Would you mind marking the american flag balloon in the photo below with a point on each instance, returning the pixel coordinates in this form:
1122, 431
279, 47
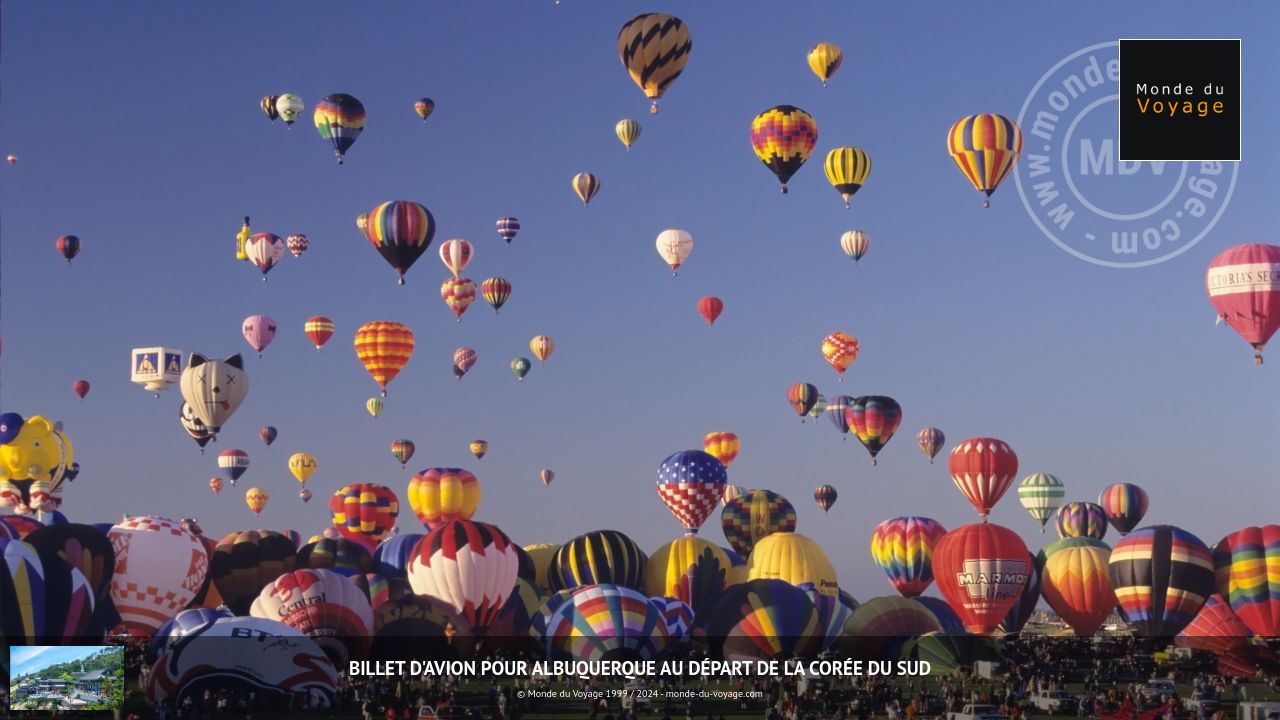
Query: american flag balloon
690, 483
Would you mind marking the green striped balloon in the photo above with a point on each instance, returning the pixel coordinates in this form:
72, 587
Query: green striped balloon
1041, 494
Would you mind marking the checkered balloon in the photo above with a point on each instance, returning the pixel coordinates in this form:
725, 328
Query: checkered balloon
690, 483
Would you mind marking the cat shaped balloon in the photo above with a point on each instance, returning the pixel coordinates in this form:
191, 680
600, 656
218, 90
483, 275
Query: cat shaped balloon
214, 388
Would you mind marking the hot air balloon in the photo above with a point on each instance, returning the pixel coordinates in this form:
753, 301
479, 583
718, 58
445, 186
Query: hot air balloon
374, 406
690, 569
297, 244
542, 346
881, 627
402, 450
847, 170
690, 483
628, 131
819, 407
458, 294
215, 484
233, 464
456, 255
837, 412
802, 397
985, 148
1125, 505
521, 366
264, 250
333, 552
183, 624
304, 494
1076, 582
159, 566
12, 159
364, 513
495, 291
1041, 494
289, 106
930, 440
478, 448
463, 359
825, 496
80, 388
903, 547
874, 418
794, 558
1023, 608
1247, 569
472, 566
754, 515
981, 570
1244, 286
585, 185
424, 107
783, 138
258, 331
339, 119
710, 307
855, 244
1162, 575
319, 329
362, 221
384, 348
722, 445
824, 60
545, 476
267, 434
268, 106
440, 495
654, 48
68, 247
507, 228
46, 598
840, 350
302, 466
674, 246
214, 389
256, 499
763, 620
598, 557
1082, 519
400, 230
325, 606
84, 549
194, 426
983, 469
1216, 629
607, 621
243, 563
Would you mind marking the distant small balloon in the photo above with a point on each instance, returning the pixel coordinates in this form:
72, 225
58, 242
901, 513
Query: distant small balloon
13, 159
424, 107
546, 476
80, 388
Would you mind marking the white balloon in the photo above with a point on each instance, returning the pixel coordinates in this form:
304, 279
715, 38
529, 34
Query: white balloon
674, 246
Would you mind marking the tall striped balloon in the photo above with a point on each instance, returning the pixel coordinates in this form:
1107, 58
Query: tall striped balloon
1041, 494
902, 547
985, 148
401, 231
1247, 566
1162, 576
1125, 505
495, 291
1082, 519
847, 169
596, 558
384, 348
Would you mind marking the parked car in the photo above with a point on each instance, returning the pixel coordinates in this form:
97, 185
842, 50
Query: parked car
1054, 702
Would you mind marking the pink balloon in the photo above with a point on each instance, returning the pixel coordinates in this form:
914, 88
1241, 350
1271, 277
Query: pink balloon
259, 331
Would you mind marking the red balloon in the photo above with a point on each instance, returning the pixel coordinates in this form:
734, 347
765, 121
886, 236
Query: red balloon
981, 570
710, 308
1244, 287
80, 388
983, 468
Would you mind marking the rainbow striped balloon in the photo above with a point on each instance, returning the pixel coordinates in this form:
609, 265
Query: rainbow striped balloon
903, 548
1162, 576
1247, 566
1125, 505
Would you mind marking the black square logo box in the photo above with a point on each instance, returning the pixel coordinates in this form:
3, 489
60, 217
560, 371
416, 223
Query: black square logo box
1180, 100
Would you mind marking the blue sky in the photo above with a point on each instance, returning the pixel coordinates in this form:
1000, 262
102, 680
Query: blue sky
138, 129
26, 659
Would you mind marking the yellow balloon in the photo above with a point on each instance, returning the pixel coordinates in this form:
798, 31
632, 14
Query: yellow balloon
628, 131
479, 448
824, 60
654, 47
302, 465
794, 558
439, 495
241, 238
256, 499
542, 554
542, 347
666, 574
374, 406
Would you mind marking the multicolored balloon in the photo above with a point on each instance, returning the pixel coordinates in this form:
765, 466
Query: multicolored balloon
847, 170
985, 148
402, 450
722, 445
1125, 505
339, 118
441, 495
840, 350
983, 469
1041, 494
1247, 569
1076, 582
802, 396
825, 496
930, 440
763, 620
628, 131
318, 329
824, 59
595, 558
585, 185
607, 621
690, 483
463, 359
215, 484
364, 513
289, 106
520, 367
268, 105
401, 231
424, 107
264, 250
384, 348
267, 434
754, 515
1082, 519
783, 138
981, 570
507, 228
478, 448
456, 254
233, 463
874, 418
458, 293
68, 247
325, 606
902, 547
689, 569
495, 291
159, 567
256, 498
1162, 576
654, 47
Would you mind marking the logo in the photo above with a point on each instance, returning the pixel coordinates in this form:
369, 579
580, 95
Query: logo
1103, 210
998, 579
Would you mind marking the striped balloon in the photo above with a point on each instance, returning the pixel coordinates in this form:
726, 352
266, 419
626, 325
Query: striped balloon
930, 440
825, 496
472, 566
985, 148
1077, 583
507, 228
364, 513
751, 517
1125, 505
318, 329
441, 495
1041, 494
1247, 566
855, 244
837, 413
595, 558
606, 621
875, 418
902, 547
689, 569
400, 230
384, 348
1162, 576
819, 407
654, 47
730, 492
458, 293
495, 291
402, 450
802, 396
339, 118
723, 446
983, 469
1082, 519
586, 186
847, 169
456, 254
